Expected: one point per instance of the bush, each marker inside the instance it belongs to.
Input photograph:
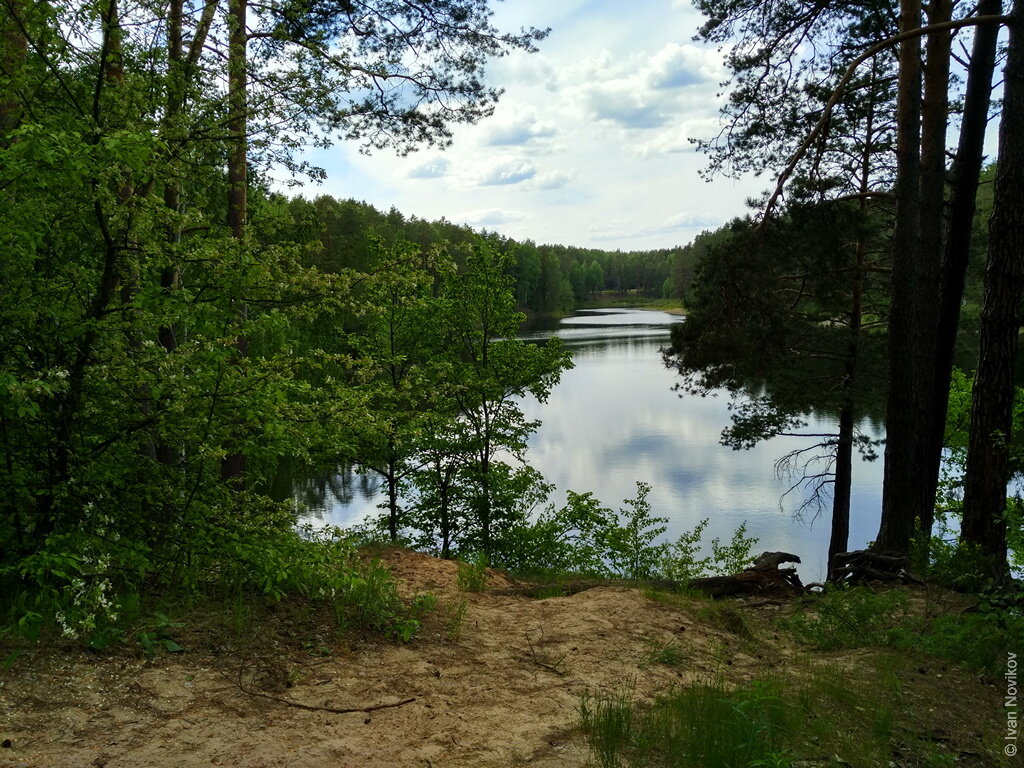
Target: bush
(88, 585)
(849, 618)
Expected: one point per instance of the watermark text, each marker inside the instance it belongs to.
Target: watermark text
(1011, 704)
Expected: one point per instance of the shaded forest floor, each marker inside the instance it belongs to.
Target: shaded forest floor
(490, 681)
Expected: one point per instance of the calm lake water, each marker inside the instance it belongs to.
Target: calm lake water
(614, 419)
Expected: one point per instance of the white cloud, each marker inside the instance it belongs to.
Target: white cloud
(678, 224)
(434, 168)
(521, 129)
(552, 180)
(691, 220)
(488, 217)
(644, 91)
(589, 143)
(683, 66)
(507, 172)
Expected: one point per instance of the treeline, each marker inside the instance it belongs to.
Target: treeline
(549, 279)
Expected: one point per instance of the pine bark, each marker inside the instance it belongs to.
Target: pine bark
(903, 416)
(984, 522)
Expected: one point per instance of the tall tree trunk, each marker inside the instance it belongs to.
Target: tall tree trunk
(902, 420)
(176, 85)
(234, 465)
(935, 116)
(965, 176)
(69, 406)
(391, 475)
(984, 522)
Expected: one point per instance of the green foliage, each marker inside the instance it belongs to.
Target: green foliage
(157, 363)
(608, 723)
(456, 617)
(680, 561)
(572, 539)
(734, 556)
(160, 634)
(977, 639)
(950, 562)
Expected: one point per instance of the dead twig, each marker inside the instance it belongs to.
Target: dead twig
(553, 667)
(309, 707)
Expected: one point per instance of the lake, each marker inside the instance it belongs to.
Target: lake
(614, 419)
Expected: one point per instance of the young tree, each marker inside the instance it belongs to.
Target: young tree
(399, 337)
(489, 370)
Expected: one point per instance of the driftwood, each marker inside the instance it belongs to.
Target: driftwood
(772, 560)
(863, 565)
(763, 582)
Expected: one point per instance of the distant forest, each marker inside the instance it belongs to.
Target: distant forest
(549, 279)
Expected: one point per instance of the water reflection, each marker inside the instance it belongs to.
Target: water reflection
(614, 419)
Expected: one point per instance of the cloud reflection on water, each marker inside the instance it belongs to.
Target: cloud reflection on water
(614, 419)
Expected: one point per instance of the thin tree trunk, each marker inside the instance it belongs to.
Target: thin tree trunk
(234, 464)
(238, 121)
(176, 77)
(902, 420)
(984, 522)
(839, 541)
(840, 536)
(392, 477)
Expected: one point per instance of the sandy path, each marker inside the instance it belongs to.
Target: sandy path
(504, 692)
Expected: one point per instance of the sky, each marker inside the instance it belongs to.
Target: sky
(589, 145)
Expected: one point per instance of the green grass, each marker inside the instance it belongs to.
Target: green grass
(855, 713)
(669, 653)
(472, 577)
(456, 616)
(703, 725)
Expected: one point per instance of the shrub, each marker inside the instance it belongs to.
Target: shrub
(849, 618)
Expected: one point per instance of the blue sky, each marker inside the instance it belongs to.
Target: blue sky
(589, 145)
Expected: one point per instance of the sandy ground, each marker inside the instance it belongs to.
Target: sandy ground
(499, 688)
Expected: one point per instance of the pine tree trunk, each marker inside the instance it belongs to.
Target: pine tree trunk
(902, 417)
(984, 522)
(935, 116)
